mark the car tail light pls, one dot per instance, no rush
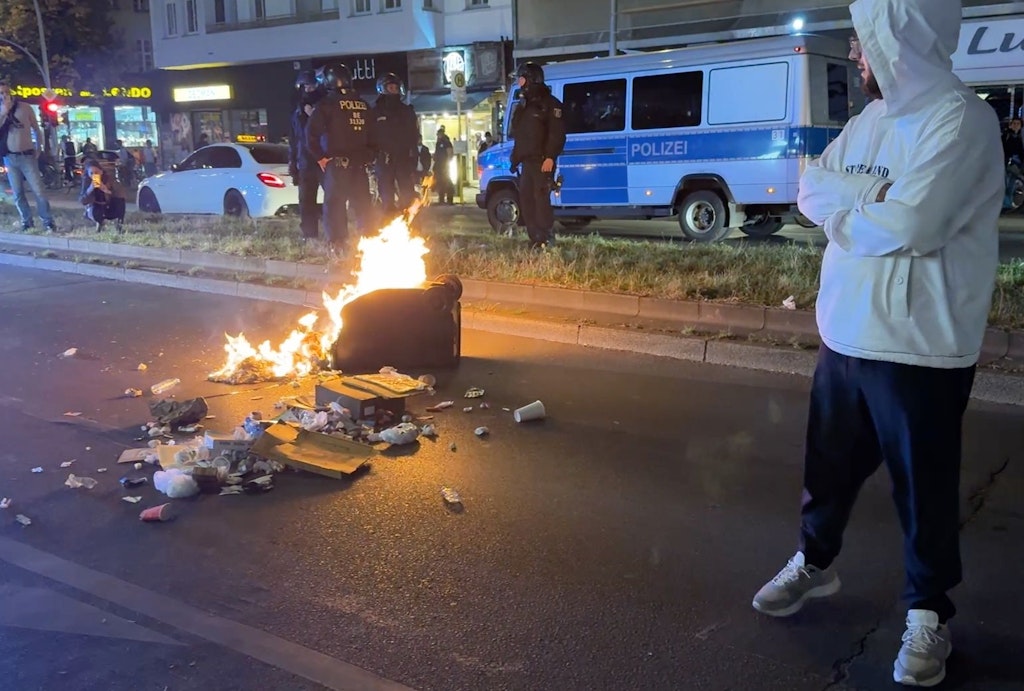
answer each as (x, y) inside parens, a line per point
(271, 180)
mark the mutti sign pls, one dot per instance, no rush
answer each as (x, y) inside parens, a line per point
(991, 50)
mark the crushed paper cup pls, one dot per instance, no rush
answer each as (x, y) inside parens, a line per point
(533, 411)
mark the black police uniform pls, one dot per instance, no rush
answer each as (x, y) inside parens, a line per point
(539, 134)
(397, 134)
(304, 169)
(341, 129)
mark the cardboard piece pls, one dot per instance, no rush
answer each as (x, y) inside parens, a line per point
(364, 400)
(134, 455)
(312, 451)
(220, 444)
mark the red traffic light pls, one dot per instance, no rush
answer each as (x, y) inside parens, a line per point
(52, 107)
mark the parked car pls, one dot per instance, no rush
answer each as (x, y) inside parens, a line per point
(239, 180)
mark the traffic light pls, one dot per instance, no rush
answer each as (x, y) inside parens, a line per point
(51, 112)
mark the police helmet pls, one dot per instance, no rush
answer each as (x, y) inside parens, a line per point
(388, 79)
(336, 77)
(306, 78)
(532, 72)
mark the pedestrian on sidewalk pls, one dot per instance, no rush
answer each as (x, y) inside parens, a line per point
(18, 124)
(909, 196)
(443, 152)
(149, 158)
(68, 149)
(102, 195)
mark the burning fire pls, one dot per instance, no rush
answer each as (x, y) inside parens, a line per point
(391, 259)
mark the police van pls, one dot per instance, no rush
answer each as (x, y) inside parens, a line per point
(716, 135)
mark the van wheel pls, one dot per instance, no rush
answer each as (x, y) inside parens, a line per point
(762, 228)
(148, 202)
(503, 209)
(702, 217)
(235, 206)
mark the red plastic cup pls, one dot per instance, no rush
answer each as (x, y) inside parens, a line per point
(156, 514)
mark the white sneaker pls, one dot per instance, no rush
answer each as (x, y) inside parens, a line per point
(926, 645)
(793, 586)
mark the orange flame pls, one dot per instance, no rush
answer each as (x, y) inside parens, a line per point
(392, 258)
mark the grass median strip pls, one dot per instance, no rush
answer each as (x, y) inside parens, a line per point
(757, 273)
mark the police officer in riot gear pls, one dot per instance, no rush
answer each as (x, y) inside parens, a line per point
(302, 164)
(539, 140)
(397, 134)
(341, 137)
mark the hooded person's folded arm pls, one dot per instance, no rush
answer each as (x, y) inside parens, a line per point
(826, 188)
(917, 215)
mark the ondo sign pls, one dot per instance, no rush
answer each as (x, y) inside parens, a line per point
(214, 92)
(127, 92)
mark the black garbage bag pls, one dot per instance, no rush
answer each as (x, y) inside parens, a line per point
(179, 413)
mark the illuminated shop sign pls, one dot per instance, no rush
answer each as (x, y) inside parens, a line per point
(453, 61)
(128, 92)
(250, 138)
(214, 92)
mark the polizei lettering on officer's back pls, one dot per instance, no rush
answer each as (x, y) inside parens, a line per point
(352, 105)
(658, 149)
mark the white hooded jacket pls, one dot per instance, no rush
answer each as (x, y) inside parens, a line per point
(909, 279)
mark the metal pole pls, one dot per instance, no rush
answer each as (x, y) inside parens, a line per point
(460, 158)
(42, 46)
(613, 29)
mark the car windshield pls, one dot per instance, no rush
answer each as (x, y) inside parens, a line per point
(269, 154)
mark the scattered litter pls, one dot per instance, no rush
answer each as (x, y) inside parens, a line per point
(443, 405)
(70, 352)
(88, 448)
(191, 429)
(74, 482)
(399, 435)
(407, 418)
(5, 503)
(507, 410)
(481, 431)
(429, 431)
(128, 482)
(533, 411)
(101, 470)
(429, 379)
(68, 464)
(178, 413)
(468, 409)
(485, 406)
(157, 514)
(475, 393)
(142, 367)
(453, 447)
(37, 470)
(164, 386)
(790, 302)
(70, 414)
(175, 483)
(132, 500)
(133, 393)
(137, 466)
(23, 519)
(232, 489)
(450, 496)
(258, 485)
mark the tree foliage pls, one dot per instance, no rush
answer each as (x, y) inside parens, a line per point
(84, 48)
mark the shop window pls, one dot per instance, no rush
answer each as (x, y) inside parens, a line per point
(171, 19)
(360, 6)
(667, 100)
(134, 125)
(191, 17)
(595, 106)
(247, 122)
(144, 54)
(84, 122)
(391, 5)
(140, 5)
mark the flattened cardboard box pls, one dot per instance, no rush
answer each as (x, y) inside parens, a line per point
(312, 451)
(363, 403)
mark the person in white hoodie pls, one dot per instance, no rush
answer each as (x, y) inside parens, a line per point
(909, 196)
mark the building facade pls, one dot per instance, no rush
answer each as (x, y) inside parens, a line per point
(228, 67)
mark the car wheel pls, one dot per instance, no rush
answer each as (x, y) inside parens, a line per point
(503, 209)
(148, 202)
(762, 227)
(234, 205)
(702, 217)
(1016, 195)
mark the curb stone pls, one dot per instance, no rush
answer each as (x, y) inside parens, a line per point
(991, 386)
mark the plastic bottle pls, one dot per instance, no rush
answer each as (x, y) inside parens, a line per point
(164, 386)
(450, 495)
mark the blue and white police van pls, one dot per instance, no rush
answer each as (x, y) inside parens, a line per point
(716, 135)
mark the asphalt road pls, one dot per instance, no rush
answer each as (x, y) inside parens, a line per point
(616, 545)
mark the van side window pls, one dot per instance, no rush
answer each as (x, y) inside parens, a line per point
(753, 93)
(838, 93)
(667, 100)
(594, 106)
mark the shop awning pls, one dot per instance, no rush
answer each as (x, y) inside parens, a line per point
(443, 103)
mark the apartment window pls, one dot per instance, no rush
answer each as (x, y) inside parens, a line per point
(220, 12)
(667, 100)
(140, 5)
(595, 106)
(260, 7)
(391, 5)
(360, 6)
(476, 3)
(191, 17)
(144, 54)
(172, 19)
(428, 4)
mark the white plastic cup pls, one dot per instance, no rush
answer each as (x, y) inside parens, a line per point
(533, 411)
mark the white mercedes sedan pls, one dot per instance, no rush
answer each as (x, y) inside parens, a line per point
(232, 179)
